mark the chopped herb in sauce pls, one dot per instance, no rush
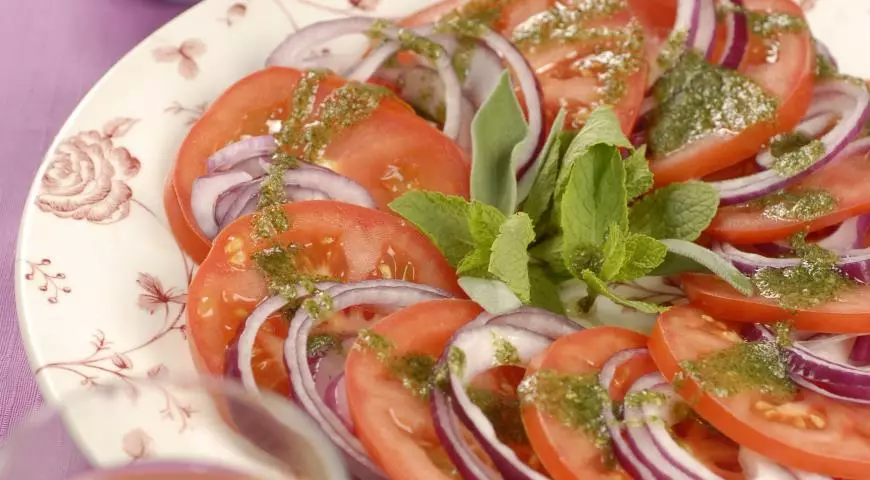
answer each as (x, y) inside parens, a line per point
(774, 24)
(697, 99)
(564, 22)
(744, 366)
(575, 400)
(473, 18)
(301, 107)
(462, 57)
(270, 219)
(644, 397)
(456, 360)
(794, 152)
(320, 345)
(802, 204)
(503, 412)
(814, 281)
(673, 50)
(783, 332)
(277, 263)
(505, 352)
(825, 68)
(417, 372)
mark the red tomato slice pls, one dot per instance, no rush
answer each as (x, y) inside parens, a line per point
(811, 432)
(568, 453)
(789, 79)
(747, 223)
(409, 154)
(342, 241)
(568, 72)
(849, 313)
(394, 425)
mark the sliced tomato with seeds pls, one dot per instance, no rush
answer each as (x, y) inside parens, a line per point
(409, 152)
(807, 432)
(848, 313)
(565, 452)
(785, 69)
(751, 223)
(573, 73)
(341, 241)
(392, 422)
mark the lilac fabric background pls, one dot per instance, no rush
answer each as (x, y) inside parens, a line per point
(51, 53)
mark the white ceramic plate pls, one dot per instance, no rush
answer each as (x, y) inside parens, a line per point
(100, 282)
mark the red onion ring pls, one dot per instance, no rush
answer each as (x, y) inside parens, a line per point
(696, 19)
(817, 388)
(204, 196)
(860, 354)
(239, 152)
(648, 434)
(335, 398)
(737, 36)
(384, 293)
(632, 464)
(449, 431)
(854, 264)
(480, 354)
(536, 320)
(852, 103)
(848, 236)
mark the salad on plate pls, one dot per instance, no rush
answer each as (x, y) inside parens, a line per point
(427, 246)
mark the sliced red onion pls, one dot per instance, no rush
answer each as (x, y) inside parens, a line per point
(848, 236)
(449, 430)
(335, 398)
(758, 467)
(381, 293)
(860, 354)
(860, 147)
(818, 362)
(851, 104)
(736, 36)
(297, 44)
(823, 51)
(326, 370)
(813, 126)
(854, 264)
(204, 196)
(696, 19)
(648, 433)
(480, 356)
(536, 320)
(818, 388)
(629, 461)
(237, 201)
(234, 154)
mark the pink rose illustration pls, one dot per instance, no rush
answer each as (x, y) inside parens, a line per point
(85, 179)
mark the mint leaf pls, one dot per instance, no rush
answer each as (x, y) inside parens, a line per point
(594, 199)
(613, 252)
(545, 293)
(681, 211)
(642, 255)
(535, 189)
(549, 252)
(483, 223)
(686, 256)
(638, 177)
(493, 295)
(442, 218)
(509, 261)
(599, 286)
(498, 127)
(475, 264)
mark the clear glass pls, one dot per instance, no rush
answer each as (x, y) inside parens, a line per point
(201, 428)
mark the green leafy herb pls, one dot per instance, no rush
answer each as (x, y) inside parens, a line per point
(545, 293)
(536, 196)
(684, 256)
(509, 261)
(599, 286)
(680, 210)
(642, 255)
(638, 177)
(498, 127)
(493, 295)
(442, 218)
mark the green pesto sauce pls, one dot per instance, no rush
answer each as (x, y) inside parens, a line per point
(575, 400)
(774, 24)
(744, 366)
(417, 372)
(505, 352)
(504, 414)
(563, 22)
(783, 332)
(456, 361)
(793, 152)
(278, 265)
(673, 49)
(301, 108)
(803, 204)
(473, 18)
(319, 305)
(825, 68)
(461, 59)
(814, 281)
(270, 219)
(344, 107)
(319, 345)
(644, 397)
(697, 99)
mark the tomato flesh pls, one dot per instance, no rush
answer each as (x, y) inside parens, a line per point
(565, 452)
(789, 79)
(409, 154)
(747, 223)
(394, 425)
(341, 241)
(849, 313)
(810, 432)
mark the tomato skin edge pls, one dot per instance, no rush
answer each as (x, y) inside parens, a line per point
(188, 238)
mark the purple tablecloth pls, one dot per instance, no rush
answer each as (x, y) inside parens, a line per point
(51, 52)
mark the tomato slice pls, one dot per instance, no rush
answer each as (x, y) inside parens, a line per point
(568, 453)
(409, 154)
(789, 79)
(849, 313)
(342, 241)
(748, 223)
(810, 432)
(570, 72)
